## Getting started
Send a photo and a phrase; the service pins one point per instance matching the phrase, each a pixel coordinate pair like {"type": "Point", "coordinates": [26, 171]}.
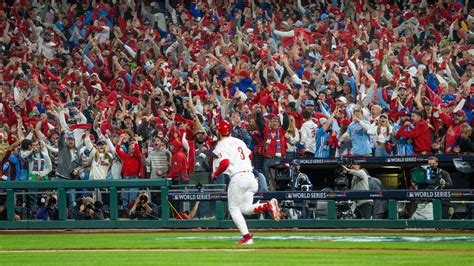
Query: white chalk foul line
{"type": "Point", "coordinates": [336, 238]}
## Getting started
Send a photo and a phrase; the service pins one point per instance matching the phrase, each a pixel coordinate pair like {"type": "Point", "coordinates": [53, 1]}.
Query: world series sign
{"type": "Point", "coordinates": [463, 194]}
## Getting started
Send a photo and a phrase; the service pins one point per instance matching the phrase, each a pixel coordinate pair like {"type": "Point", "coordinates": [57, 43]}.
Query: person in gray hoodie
{"type": "Point", "coordinates": [360, 181]}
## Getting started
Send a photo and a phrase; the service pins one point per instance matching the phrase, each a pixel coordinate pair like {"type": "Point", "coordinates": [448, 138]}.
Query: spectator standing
{"type": "Point", "coordinates": [131, 167]}
{"type": "Point", "coordinates": [292, 136]}
{"type": "Point", "coordinates": [382, 132]}
{"type": "Point", "coordinates": [454, 130]}
{"type": "Point", "coordinates": [420, 133]}
{"type": "Point", "coordinates": [358, 133]}
{"type": "Point", "coordinates": [323, 144]}
{"type": "Point", "coordinates": [178, 166]}
{"type": "Point", "coordinates": [158, 160]}
{"type": "Point", "coordinates": [274, 140]}
{"type": "Point", "coordinates": [308, 134]}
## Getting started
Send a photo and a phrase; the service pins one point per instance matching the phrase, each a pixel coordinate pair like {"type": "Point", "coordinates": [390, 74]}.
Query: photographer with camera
{"type": "Point", "coordinates": [360, 181]}
{"type": "Point", "coordinates": [432, 178]}
{"type": "Point", "coordinates": [300, 180]}
{"type": "Point", "coordinates": [89, 210]}
{"type": "Point", "coordinates": [143, 209]}
{"type": "Point", "coordinates": [48, 209]}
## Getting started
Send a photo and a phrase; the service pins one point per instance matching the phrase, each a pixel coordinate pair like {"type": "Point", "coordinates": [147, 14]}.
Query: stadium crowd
{"type": "Point", "coordinates": [118, 89]}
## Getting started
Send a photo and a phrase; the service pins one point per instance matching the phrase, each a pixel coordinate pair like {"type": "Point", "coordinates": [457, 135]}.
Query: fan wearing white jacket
{"type": "Point", "coordinates": [292, 137]}
{"type": "Point", "coordinates": [101, 159]}
{"type": "Point", "coordinates": [308, 134]}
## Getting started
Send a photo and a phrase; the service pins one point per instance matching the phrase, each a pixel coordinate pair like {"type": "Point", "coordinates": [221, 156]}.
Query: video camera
{"type": "Point", "coordinates": [303, 183]}
{"type": "Point", "coordinates": [347, 162]}
{"type": "Point", "coordinates": [422, 176]}
{"type": "Point", "coordinates": [341, 181]}
{"type": "Point", "coordinates": [144, 198]}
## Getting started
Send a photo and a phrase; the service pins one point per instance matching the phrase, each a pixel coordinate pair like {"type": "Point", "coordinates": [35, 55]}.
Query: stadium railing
{"type": "Point", "coordinates": [331, 198]}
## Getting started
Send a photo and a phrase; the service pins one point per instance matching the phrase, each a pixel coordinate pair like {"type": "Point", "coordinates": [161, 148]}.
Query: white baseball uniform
{"type": "Point", "coordinates": [243, 184]}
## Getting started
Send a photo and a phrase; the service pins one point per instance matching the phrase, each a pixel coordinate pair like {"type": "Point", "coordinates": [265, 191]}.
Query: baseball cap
{"type": "Point", "coordinates": [342, 99]}
{"type": "Point", "coordinates": [322, 88]}
{"type": "Point", "coordinates": [309, 102]}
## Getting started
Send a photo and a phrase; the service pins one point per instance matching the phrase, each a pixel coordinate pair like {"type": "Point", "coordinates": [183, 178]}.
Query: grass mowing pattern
{"type": "Point", "coordinates": [233, 258]}
{"type": "Point", "coordinates": [166, 241]}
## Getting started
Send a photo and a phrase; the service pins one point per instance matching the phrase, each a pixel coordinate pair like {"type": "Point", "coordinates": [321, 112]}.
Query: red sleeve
{"type": "Point", "coordinates": [446, 119]}
{"type": "Point", "coordinates": [51, 75]}
{"type": "Point", "coordinates": [88, 87]}
{"type": "Point", "coordinates": [95, 28]}
{"type": "Point", "coordinates": [104, 87]}
{"type": "Point", "coordinates": [394, 104]}
{"type": "Point", "coordinates": [223, 165]}
{"type": "Point", "coordinates": [413, 133]}
{"type": "Point", "coordinates": [67, 78]}
{"type": "Point", "coordinates": [398, 134]}
{"type": "Point", "coordinates": [332, 104]}
{"type": "Point", "coordinates": [431, 95]}
{"type": "Point", "coordinates": [45, 128]}
{"type": "Point", "coordinates": [122, 24]}
{"type": "Point", "coordinates": [402, 53]}
{"type": "Point", "coordinates": [138, 152]}
{"type": "Point", "coordinates": [120, 153]}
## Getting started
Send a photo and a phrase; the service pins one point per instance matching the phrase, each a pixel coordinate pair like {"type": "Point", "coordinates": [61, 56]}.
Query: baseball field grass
{"type": "Point", "coordinates": [218, 248]}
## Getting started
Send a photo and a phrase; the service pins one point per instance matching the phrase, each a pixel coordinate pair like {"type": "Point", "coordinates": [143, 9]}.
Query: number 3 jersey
{"type": "Point", "coordinates": [236, 152]}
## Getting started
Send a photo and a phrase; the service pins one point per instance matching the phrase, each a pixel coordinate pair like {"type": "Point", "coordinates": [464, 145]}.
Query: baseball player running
{"type": "Point", "coordinates": [234, 159]}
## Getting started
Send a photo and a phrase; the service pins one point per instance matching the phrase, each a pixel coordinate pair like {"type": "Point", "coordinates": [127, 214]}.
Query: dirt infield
{"type": "Point", "coordinates": [133, 231]}
{"type": "Point", "coordinates": [355, 250]}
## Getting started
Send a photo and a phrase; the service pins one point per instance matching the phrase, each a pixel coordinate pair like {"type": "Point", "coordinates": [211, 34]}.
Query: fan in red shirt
{"type": "Point", "coordinates": [132, 160]}
{"type": "Point", "coordinates": [131, 166]}
{"type": "Point", "coordinates": [178, 168]}
{"type": "Point", "coordinates": [454, 129]}
{"type": "Point", "coordinates": [420, 133]}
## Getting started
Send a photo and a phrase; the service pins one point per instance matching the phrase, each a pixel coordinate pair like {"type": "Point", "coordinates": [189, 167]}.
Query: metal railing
{"type": "Point", "coordinates": [219, 197]}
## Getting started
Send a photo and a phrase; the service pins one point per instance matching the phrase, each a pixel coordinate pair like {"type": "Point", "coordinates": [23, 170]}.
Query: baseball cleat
{"type": "Point", "coordinates": [246, 240]}
{"type": "Point", "coordinates": [274, 209]}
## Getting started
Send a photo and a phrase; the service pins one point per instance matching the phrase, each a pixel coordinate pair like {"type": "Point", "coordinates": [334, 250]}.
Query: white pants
{"type": "Point", "coordinates": [240, 193]}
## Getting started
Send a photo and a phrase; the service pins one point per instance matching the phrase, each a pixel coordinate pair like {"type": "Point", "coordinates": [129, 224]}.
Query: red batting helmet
{"type": "Point", "coordinates": [224, 128]}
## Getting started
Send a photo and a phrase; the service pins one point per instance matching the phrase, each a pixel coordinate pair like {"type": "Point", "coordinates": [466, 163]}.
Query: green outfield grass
{"type": "Point", "coordinates": [65, 249]}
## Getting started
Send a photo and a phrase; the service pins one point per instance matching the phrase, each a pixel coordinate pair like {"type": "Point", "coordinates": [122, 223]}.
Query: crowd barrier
{"type": "Point", "coordinates": [376, 161]}
{"type": "Point", "coordinates": [220, 221]}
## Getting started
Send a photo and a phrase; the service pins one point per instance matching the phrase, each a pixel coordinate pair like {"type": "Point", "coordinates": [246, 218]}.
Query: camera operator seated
{"type": "Point", "coordinates": [143, 209]}
{"type": "Point", "coordinates": [303, 183]}
{"type": "Point", "coordinates": [360, 181]}
{"type": "Point", "coordinates": [436, 178]}
{"type": "Point", "coordinates": [48, 209]}
{"type": "Point", "coordinates": [89, 210]}
{"type": "Point", "coordinates": [299, 180]}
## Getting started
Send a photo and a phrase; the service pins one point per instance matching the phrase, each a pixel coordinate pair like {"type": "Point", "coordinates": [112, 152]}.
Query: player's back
{"type": "Point", "coordinates": [238, 154]}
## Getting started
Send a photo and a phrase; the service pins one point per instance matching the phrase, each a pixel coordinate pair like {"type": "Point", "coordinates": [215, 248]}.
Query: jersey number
{"type": "Point", "coordinates": [242, 155]}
